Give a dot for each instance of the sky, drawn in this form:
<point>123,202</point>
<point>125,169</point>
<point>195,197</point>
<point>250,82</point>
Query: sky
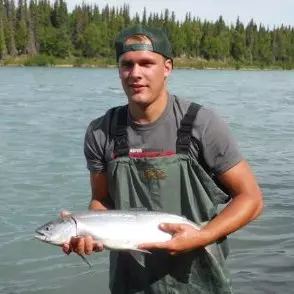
<point>268,12</point>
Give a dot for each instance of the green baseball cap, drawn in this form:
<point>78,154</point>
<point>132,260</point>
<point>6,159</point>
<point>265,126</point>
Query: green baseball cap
<point>159,41</point>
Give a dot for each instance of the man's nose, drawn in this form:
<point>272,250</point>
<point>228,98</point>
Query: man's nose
<point>136,71</point>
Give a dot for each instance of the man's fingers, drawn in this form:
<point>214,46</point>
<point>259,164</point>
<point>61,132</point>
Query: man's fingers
<point>64,213</point>
<point>169,246</point>
<point>74,244</point>
<point>88,245</point>
<point>80,246</point>
<point>97,247</point>
<point>171,228</point>
<point>66,248</point>
<point>158,245</point>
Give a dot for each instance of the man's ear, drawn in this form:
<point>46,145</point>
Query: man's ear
<point>168,67</point>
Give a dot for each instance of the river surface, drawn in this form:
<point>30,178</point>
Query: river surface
<point>43,116</point>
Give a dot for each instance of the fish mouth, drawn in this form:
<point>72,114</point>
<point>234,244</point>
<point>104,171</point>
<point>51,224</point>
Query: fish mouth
<point>41,236</point>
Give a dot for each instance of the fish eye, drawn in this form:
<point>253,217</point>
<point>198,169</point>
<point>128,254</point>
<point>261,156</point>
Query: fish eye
<point>48,227</point>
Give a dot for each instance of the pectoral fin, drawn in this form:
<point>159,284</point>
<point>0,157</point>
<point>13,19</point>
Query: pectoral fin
<point>141,251</point>
<point>138,256</point>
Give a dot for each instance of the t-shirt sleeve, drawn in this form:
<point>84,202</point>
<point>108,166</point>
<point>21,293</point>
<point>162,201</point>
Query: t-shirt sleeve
<point>219,147</point>
<point>93,146</point>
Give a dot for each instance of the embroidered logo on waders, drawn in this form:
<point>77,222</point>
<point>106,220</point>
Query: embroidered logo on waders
<point>154,174</point>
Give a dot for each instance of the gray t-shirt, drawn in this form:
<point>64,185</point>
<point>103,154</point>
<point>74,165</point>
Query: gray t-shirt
<point>211,139</point>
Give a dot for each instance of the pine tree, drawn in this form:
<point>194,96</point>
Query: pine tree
<point>264,42</point>
<point>94,40</point>
<point>144,18</point>
<point>3,49</point>
<point>80,24</point>
<point>238,41</point>
<point>21,34</point>
<point>59,20</point>
<point>31,45</point>
<point>9,27</point>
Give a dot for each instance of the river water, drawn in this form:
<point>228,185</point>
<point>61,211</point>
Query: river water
<point>43,116</point>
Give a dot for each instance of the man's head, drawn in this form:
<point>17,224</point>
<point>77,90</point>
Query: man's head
<point>158,41</point>
<point>145,60</point>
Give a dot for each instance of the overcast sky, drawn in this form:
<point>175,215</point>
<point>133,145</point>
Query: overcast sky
<point>267,12</point>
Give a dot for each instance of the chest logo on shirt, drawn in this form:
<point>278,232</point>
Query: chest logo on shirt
<point>154,174</point>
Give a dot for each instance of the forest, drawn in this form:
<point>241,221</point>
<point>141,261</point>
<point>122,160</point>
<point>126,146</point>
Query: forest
<point>47,33</point>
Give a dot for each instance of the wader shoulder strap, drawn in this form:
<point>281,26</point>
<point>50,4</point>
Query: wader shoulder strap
<point>185,130</point>
<point>185,138</point>
<point>121,146</point>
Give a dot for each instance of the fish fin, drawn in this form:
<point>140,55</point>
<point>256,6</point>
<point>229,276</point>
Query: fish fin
<point>141,251</point>
<point>85,260</point>
<point>138,256</point>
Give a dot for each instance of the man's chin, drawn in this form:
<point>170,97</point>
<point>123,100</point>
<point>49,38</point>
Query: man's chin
<point>139,99</point>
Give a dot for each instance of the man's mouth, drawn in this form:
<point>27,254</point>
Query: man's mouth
<point>136,86</point>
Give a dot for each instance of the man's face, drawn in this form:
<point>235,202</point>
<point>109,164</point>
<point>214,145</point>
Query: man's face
<point>143,75</point>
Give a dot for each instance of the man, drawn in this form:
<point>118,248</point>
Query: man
<point>163,153</point>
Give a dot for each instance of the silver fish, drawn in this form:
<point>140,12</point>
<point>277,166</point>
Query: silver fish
<point>115,229</point>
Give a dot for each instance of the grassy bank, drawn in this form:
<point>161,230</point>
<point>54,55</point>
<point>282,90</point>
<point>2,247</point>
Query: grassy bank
<point>185,63</point>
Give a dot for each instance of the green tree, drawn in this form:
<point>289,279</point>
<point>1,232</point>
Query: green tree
<point>21,33</point>
<point>94,42</point>
<point>59,15</point>
<point>21,36</point>
<point>3,49</point>
<point>144,18</point>
<point>9,24</point>
<point>264,42</point>
<point>31,45</point>
<point>79,25</point>
<point>238,41</point>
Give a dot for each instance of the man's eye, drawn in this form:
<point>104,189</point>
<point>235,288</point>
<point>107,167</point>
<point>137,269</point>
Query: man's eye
<point>147,64</point>
<point>127,64</point>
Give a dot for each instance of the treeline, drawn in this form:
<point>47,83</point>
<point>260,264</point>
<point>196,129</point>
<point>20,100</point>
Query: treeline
<point>41,28</point>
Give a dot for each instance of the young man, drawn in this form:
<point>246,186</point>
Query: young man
<point>163,153</point>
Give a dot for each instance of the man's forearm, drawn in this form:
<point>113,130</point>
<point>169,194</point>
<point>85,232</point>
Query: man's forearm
<point>240,211</point>
<point>100,205</point>
<point>99,186</point>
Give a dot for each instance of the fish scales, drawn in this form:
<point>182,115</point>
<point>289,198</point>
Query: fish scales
<point>115,229</point>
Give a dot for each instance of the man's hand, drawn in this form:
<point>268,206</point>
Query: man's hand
<point>80,245</point>
<point>184,238</point>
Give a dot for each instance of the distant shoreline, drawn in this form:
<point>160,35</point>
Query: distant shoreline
<point>71,66</point>
<point>179,63</point>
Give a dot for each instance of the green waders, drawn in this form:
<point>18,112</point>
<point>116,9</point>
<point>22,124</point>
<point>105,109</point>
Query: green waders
<point>175,184</point>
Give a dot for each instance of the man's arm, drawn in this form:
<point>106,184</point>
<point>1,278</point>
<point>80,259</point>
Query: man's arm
<point>99,188</point>
<point>245,206</point>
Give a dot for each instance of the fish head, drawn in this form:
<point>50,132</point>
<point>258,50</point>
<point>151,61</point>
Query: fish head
<point>57,232</point>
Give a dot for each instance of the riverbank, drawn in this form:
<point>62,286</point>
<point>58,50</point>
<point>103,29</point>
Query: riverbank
<point>179,63</point>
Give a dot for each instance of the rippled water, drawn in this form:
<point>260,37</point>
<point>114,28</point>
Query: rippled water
<point>43,116</point>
